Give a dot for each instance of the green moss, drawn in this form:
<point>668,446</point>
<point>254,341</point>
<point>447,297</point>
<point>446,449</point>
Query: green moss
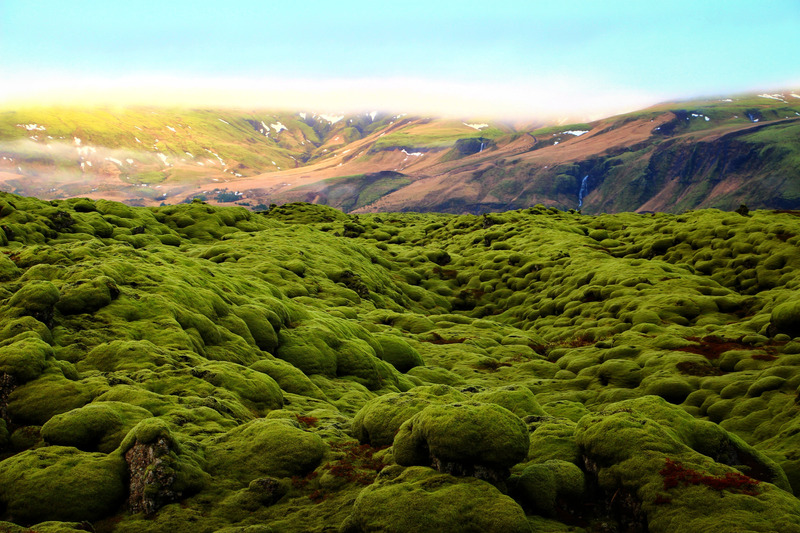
<point>356,358</point>
<point>786,318</point>
<point>469,433</point>
<point>672,389</point>
<point>306,349</point>
<point>8,269</point>
<point>5,436</point>
<point>289,378</point>
<point>418,499</point>
<point>615,342</point>
<point>552,438</point>
<point>516,398</point>
<point>61,483</point>
<point>264,448</point>
<point>436,375</point>
<point>87,296</point>
<point>379,420</point>
<point>35,402</point>
<point>255,389</point>
<point>538,487</point>
<point>398,353</point>
<point>258,323</point>
<point>99,426</point>
<point>25,359</point>
<point>126,355</point>
<point>36,298</point>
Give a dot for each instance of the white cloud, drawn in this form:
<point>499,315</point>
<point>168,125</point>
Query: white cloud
<point>550,98</point>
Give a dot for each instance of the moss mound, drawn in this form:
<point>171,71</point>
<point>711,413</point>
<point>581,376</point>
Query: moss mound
<point>420,499</point>
<point>97,426</point>
<point>463,438</point>
<point>61,483</point>
<point>265,448</point>
<point>198,368</point>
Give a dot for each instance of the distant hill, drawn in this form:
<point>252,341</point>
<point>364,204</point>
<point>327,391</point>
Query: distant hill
<point>671,157</point>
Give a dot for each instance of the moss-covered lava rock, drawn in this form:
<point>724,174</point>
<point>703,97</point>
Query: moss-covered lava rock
<point>201,368</point>
<point>418,499</point>
<point>61,483</point>
<point>468,438</point>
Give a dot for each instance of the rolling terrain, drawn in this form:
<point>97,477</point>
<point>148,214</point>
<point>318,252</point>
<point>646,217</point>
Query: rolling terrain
<point>672,157</point>
<point>200,368</point>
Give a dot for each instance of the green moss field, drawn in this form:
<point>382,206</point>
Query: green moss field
<point>193,368</point>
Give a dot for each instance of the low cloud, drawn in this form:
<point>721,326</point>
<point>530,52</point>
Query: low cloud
<point>57,165</point>
<point>553,98</point>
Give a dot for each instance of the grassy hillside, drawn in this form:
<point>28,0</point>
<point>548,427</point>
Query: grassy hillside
<point>349,192</point>
<point>196,368</point>
<point>714,153</point>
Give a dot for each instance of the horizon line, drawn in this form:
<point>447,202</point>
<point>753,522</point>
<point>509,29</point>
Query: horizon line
<point>557,101</point>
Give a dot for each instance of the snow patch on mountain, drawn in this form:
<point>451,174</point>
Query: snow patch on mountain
<point>32,127</point>
<point>333,119</point>
<point>221,162</point>
<point>576,133</point>
<point>778,97</point>
<point>278,127</point>
<point>478,127</point>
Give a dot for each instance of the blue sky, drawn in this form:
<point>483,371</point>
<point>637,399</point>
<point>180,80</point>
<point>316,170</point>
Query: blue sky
<point>469,57</point>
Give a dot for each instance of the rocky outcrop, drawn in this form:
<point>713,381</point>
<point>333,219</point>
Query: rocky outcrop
<point>152,477</point>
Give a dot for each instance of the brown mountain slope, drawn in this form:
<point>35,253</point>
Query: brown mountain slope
<point>672,157</point>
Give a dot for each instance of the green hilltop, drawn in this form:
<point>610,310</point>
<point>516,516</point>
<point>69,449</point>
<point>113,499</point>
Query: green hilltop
<point>200,368</point>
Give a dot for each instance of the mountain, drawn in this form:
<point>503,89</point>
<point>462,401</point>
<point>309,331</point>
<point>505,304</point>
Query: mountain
<point>202,368</point>
<point>672,157</point>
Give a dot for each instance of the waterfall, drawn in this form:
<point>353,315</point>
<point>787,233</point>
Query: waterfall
<point>582,192</point>
<point>481,150</point>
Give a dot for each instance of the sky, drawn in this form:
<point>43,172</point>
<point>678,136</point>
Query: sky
<point>538,59</point>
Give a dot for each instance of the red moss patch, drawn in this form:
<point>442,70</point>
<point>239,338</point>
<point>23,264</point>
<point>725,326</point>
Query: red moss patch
<point>711,347</point>
<point>300,482</point>
<point>764,357</point>
<point>578,342</point>
<point>676,474</point>
<point>307,421</point>
<point>357,463</point>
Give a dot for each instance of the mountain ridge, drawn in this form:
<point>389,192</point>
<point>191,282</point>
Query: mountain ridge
<point>646,160</point>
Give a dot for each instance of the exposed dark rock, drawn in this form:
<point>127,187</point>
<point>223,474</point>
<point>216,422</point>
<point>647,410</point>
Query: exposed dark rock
<point>267,490</point>
<point>495,476</point>
<point>152,476</point>
<point>7,384</point>
<point>353,282</point>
